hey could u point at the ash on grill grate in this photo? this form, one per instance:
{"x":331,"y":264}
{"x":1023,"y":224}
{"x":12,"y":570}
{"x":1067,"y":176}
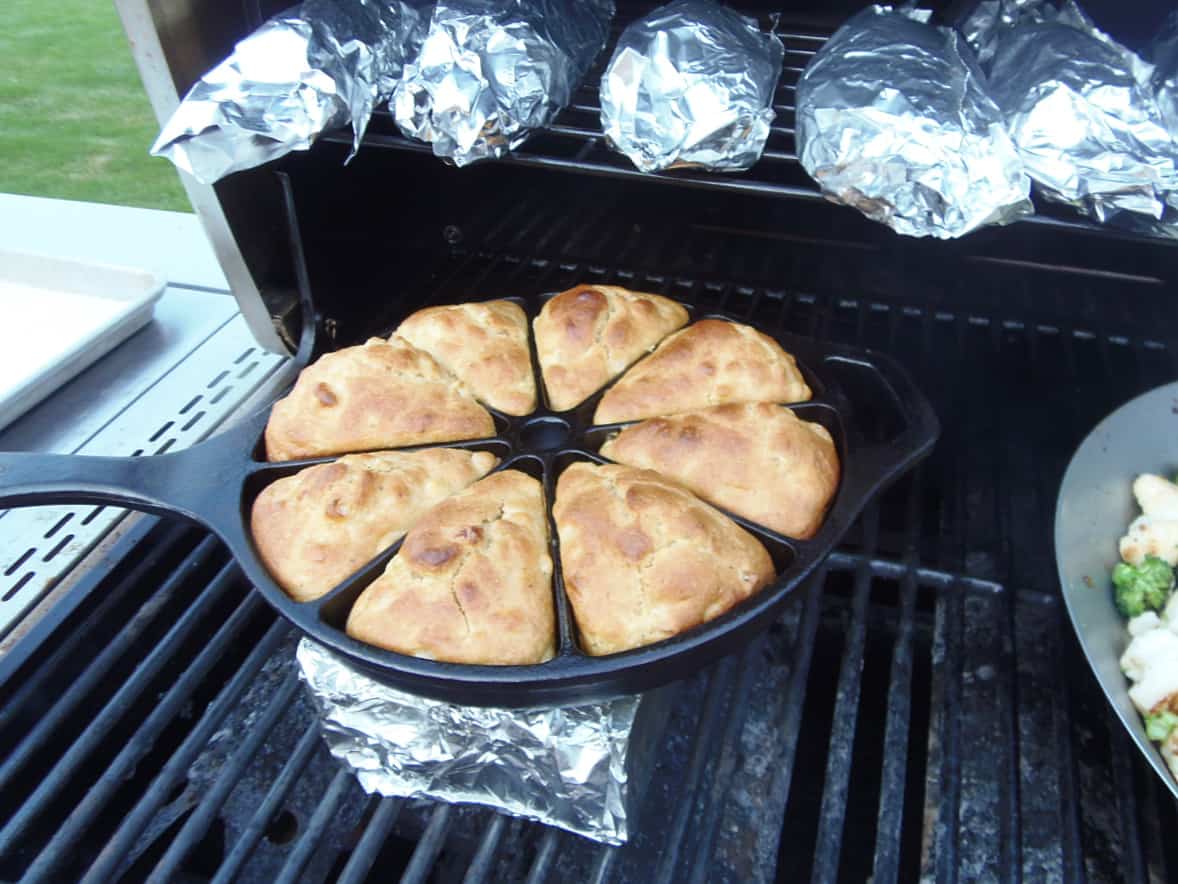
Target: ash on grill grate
{"x":921,"y":709}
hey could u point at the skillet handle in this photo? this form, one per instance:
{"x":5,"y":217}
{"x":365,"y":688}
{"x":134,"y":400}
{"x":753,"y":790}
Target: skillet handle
{"x":876,"y":462}
{"x":203,"y":483}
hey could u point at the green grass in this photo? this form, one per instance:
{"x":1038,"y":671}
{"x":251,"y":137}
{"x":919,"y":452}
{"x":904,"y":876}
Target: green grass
{"x":75,"y":122}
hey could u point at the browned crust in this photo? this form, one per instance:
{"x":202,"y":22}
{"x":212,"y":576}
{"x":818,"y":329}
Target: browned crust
{"x":378,"y":395}
{"x":758,"y":460}
{"x":588,"y":335}
{"x":472,"y":582}
{"x":315,"y":528}
{"x":644,"y":559}
{"x":484,"y":345}
{"x":711,"y":362}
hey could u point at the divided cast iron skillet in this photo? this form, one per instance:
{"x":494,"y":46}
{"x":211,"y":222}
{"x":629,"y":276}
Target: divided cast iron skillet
{"x":882,"y":425}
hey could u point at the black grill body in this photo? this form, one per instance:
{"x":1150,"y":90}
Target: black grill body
{"x":920,"y":710}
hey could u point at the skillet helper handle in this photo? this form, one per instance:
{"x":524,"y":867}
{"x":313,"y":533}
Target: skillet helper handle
{"x":876,"y":462}
{"x":166,"y":484}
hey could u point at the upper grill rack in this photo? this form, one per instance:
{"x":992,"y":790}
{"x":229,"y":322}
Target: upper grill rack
{"x":574,"y":142}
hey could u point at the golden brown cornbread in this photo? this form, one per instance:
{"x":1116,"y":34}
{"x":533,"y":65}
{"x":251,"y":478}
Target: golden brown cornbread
{"x":379,"y":395}
{"x":645,"y":559}
{"x":320,"y":525}
{"x":587,"y":336}
{"x":757,"y":460}
{"x":711,"y":362}
{"x":484,"y":345}
{"x":472,"y":583}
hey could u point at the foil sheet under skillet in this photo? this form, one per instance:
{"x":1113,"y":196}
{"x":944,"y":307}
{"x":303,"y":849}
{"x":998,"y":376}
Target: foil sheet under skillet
{"x":691,"y":85}
{"x":491,"y":71}
{"x":315,"y":67}
{"x":575,"y":767}
{"x":1082,"y":112}
{"x":893,"y":118}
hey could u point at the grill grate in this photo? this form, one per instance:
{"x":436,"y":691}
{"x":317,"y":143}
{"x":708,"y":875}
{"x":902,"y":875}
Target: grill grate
{"x":922,"y":710}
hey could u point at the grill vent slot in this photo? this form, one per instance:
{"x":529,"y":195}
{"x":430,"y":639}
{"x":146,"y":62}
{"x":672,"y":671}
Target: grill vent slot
{"x":33,"y":558}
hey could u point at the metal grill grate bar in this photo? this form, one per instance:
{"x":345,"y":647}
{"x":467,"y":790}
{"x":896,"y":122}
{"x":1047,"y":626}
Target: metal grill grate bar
{"x":889,"y":822}
{"x":364,"y":856}
{"x":80,"y":690}
{"x":32,"y":686}
{"x":197,"y":825}
{"x":480,"y":864}
{"x":429,"y":846}
{"x":312,"y":836}
{"x":538,"y":874}
{"x":145,"y":673}
{"x":838,"y":768}
{"x":240,"y":853}
{"x":111,"y":779}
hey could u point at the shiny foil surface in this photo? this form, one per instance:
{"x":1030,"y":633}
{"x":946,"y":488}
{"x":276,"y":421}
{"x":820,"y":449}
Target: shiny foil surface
{"x":691,"y":85}
{"x":315,"y":67}
{"x":1165,"y":75}
{"x":1081,"y":110}
{"x":491,"y":71}
{"x":564,"y":766}
{"x":893,"y":119}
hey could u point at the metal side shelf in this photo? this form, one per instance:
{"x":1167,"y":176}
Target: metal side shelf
{"x":168,"y":386}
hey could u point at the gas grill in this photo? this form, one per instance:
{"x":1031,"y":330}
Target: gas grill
{"x":921,"y":709}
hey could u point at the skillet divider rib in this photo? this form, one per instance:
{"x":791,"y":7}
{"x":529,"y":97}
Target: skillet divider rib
{"x":567,"y":644}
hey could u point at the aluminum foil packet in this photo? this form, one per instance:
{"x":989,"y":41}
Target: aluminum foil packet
{"x":315,"y":67}
{"x":691,"y":85}
{"x":1081,"y":110}
{"x":565,"y":766}
{"x":1165,"y":76}
{"x":491,"y":71}
{"x":893,"y":119}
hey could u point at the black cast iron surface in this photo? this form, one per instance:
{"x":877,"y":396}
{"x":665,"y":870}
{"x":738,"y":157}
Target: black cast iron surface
{"x":879,"y":419}
{"x":920,"y":710}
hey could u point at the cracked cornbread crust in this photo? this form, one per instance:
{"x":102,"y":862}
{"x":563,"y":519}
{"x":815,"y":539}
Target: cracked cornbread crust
{"x":711,"y":362}
{"x":758,"y":460}
{"x":472,"y":583}
{"x":644,"y":559}
{"x":485,"y":345}
{"x":382,"y":394}
{"x":588,"y":335}
{"x":317,"y":527}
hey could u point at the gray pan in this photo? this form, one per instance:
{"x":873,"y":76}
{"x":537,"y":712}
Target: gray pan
{"x":1095,"y":507}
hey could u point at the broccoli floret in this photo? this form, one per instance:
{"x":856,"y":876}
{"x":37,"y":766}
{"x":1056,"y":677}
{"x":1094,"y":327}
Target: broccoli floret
{"x":1142,"y":587}
{"x":1159,"y":725}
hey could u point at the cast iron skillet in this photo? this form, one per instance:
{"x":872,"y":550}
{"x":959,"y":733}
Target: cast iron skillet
{"x":1095,"y":507}
{"x":880,"y":421}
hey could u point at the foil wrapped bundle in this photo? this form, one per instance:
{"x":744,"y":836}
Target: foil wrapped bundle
{"x":990,"y":19}
{"x":569,"y":766}
{"x":893,"y":119}
{"x":1081,"y":110}
{"x":1165,"y":75}
{"x":691,"y":85}
{"x":491,"y":71}
{"x":315,"y":67}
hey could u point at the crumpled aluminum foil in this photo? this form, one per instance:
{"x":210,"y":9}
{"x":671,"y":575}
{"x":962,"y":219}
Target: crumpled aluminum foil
{"x":1080,"y":109}
{"x":893,"y":119}
{"x":564,"y":766}
{"x":314,"y":67}
{"x":1165,"y":76}
{"x":691,"y":85}
{"x":990,"y":19}
{"x":491,"y":71}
